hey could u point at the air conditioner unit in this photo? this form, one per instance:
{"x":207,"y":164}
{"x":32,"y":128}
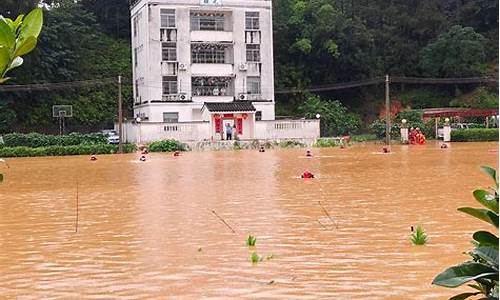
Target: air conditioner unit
{"x":243,"y":67}
{"x":242,"y":96}
{"x":183,"y":96}
{"x":182,"y":67}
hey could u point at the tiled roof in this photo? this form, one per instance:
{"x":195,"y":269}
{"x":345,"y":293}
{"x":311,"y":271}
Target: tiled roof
{"x":229,"y":106}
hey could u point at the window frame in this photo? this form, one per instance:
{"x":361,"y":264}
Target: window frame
{"x":169,"y":15}
{"x":167,"y":48}
{"x":174,"y":119}
{"x":170,"y":81}
{"x":252,"y":20}
{"x":252,"y":55}
{"x":251,"y":80}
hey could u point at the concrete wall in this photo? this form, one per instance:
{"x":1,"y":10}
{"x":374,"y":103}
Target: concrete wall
{"x":197,"y":131}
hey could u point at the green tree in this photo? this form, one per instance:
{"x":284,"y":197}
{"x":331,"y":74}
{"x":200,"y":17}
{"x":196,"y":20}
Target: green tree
{"x":335,"y":120}
{"x":460,"y":52}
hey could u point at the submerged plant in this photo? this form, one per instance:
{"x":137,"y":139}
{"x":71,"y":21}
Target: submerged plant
{"x":251,"y":240}
{"x":255,"y":258}
{"x":419,"y":237}
{"x":483,"y":267}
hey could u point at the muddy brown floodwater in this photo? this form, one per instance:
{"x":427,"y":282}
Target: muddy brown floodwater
{"x":146,"y":229}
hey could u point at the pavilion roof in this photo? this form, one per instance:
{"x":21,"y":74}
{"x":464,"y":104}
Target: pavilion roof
{"x":239,"y":106}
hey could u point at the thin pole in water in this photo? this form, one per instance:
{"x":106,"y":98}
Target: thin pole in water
{"x":76,"y":220}
{"x":387,"y":112}
{"x":120,"y":116}
{"x":222,"y":220}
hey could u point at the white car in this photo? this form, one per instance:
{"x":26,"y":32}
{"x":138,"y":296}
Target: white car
{"x":112,"y":136}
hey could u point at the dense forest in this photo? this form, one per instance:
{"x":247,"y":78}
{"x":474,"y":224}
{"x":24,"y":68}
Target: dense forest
{"x":316,"y":42}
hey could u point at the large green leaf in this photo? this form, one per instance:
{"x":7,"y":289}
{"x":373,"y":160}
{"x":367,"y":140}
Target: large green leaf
{"x":7,"y":37}
{"x":488,"y":254}
{"x":490,"y":171}
{"x":486,"y":199}
{"x":4,"y":60}
{"x":482,"y":214}
{"x":458,"y":275}
{"x":25,"y":46}
{"x":464,"y":296}
{"x":32,"y":24}
{"x":485,"y":238}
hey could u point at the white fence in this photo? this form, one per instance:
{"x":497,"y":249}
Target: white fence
{"x":148,"y":131}
{"x":287,"y":129}
{"x":198,"y":131}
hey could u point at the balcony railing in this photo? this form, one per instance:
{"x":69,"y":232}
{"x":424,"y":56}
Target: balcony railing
{"x":212,"y":90}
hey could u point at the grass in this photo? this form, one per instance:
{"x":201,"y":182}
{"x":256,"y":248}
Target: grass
{"x":419,"y":237}
{"x":255,"y":258}
{"x":251,"y":240}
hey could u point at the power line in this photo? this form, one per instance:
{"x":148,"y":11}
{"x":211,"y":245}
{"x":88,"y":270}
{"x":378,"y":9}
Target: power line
{"x":56,"y":85}
{"x":313,"y":88}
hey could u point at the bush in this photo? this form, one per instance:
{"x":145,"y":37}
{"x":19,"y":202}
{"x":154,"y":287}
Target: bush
{"x":327,"y":142}
{"x":23,"y":151}
{"x":167,"y":146}
{"x":35,"y":140}
{"x":291,"y":144}
{"x":474,"y":135}
{"x":414,"y":119}
{"x":335,"y":120}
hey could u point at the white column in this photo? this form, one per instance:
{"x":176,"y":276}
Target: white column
{"x":446,"y":133}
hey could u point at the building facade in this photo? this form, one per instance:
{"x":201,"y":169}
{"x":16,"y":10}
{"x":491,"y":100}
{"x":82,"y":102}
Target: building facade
{"x":187,"y":53}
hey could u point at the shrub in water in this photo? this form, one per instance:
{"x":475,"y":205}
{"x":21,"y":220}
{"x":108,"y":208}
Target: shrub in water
{"x":35,"y":140}
{"x":167,"y":146}
{"x":63,"y":150}
{"x":255,"y":258}
{"x":474,"y":134}
{"x":251,"y":240}
{"x":419,"y":237}
{"x":327,"y":142}
{"x":483,"y":267}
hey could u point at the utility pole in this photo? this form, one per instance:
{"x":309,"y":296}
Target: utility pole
{"x":387,"y":112}
{"x":120,"y":116}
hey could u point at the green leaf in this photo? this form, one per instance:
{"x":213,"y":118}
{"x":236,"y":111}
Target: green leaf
{"x":488,"y":254}
{"x":464,"y":296}
{"x":25,"y":46}
{"x":490,"y":171}
{"x":7,"y":38}
{"x":485,"y":238}
{"x":18,"y":22}
{"x":482,"y":214}
{"x":15,"y":63}
{"x":486,"y":199}
{"x":4,"y":60}
{"x":458,"y":275}
{"x":32,"y":24}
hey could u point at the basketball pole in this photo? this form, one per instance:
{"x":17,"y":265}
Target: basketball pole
{"x":387,"y":112}
{"x":120,"y":116}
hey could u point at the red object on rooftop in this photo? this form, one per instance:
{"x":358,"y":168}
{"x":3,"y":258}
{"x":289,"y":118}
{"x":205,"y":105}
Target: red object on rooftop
{"x":459,"y":112}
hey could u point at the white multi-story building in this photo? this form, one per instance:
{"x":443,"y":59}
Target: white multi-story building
{"x":203,"y":61}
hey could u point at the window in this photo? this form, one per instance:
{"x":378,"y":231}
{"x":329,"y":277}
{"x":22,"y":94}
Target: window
{"x":207,"y":21}
{"x":253,"y":85}
{"x":169,"y":85}
{"x":136,"y":50}
{"x":258,"y":116}
{"x":252,"y":21}
{"x":135,"y":24}
{"x":208,"y":54}
{"x":169,"y":52}
{"x":253,"y":53}
{"x":167,"y":18}
{"x":171,"y":117}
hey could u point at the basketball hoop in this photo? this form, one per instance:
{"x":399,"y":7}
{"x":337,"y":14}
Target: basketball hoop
{"x":61,"y":112}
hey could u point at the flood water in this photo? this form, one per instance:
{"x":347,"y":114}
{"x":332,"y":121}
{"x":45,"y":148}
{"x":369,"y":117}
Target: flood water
{"x":147,"y":230}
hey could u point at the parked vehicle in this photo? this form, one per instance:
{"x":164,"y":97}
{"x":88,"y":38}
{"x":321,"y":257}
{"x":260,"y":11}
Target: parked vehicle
{"x":112,"y":136}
